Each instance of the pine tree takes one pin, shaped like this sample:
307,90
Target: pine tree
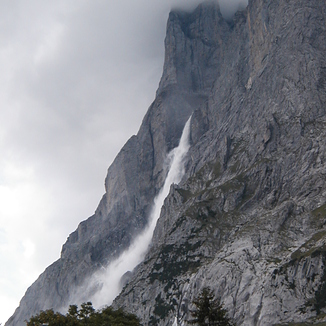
209,310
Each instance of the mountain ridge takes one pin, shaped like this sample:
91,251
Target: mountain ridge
248,218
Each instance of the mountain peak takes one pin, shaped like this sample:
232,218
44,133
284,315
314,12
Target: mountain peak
191,42
248,217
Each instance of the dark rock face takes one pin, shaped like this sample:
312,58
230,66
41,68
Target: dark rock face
248,218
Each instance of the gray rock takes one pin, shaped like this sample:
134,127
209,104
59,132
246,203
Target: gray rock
248,220
249,217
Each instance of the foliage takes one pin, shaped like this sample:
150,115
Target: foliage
209,310
86,315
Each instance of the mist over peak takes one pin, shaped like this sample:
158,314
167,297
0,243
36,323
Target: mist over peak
228,7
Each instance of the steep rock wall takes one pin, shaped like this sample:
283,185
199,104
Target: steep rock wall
249,218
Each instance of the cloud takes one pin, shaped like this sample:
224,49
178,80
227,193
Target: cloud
76,81
229,7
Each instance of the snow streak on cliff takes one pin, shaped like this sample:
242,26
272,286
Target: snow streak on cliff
109,279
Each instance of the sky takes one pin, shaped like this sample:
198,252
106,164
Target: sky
76,80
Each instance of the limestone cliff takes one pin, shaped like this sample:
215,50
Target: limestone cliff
248,219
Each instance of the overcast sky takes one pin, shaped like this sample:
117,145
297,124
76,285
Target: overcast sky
76,80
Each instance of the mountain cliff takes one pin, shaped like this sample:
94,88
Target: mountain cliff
248,217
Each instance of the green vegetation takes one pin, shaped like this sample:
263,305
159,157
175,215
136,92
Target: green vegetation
303,324
209,310
320,212
85,316
310,248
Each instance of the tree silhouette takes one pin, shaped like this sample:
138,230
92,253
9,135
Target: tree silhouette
86,315
209,310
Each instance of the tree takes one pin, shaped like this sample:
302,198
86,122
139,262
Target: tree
86,311
209,310
110,317
48,317
85,316
73,311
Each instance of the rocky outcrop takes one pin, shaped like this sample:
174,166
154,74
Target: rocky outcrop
248,218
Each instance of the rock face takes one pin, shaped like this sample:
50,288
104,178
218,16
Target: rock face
248,219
